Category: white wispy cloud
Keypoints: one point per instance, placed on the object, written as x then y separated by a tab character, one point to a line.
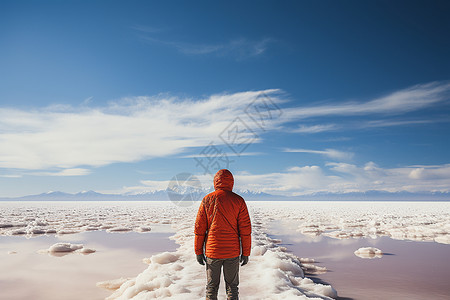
430	172
145	186
331	153
316	128
10	175
148	29
200	155
352	126
344	177
64	172
239	48
68	140
399	102
63	138
409	178
202	181
390	123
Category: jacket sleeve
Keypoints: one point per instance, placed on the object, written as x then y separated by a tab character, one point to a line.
200	229
245	229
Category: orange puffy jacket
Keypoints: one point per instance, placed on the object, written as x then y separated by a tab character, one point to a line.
223	220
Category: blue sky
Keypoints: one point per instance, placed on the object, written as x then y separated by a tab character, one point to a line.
119	96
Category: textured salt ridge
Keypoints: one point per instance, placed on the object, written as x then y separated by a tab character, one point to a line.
401	221
272	273
32	219
112	284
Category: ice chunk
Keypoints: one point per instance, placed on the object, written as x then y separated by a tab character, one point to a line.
311	231
67	231
163	258
18	232
307	260
445	239
313	269
37	231
86	251
258	250
369	252
142	229
112	285
119	229
147	260
64	247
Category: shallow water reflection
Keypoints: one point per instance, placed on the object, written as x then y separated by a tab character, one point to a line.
407	270
29	274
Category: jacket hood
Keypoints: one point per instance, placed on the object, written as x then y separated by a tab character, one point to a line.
223	180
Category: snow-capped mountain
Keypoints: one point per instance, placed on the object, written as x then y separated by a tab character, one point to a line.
163	195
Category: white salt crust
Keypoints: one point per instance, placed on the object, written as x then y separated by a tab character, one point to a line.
272	272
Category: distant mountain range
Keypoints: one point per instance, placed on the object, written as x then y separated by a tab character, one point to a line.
164	195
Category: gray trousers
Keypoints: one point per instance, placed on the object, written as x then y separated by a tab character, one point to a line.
230	274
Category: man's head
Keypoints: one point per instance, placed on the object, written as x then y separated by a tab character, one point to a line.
223	180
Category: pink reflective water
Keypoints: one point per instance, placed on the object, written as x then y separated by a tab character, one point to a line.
409	270
31	275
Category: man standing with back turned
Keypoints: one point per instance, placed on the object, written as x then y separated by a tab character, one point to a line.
223	224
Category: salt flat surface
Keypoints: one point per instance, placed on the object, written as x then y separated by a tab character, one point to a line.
29	218
272	273
32	274
417	221
413	270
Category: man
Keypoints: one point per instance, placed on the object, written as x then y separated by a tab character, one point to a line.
223	224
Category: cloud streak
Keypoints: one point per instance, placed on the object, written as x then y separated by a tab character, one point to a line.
131	130
399	102
390	123
64	172
359	125
316	128
239	48
69	140
331	153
